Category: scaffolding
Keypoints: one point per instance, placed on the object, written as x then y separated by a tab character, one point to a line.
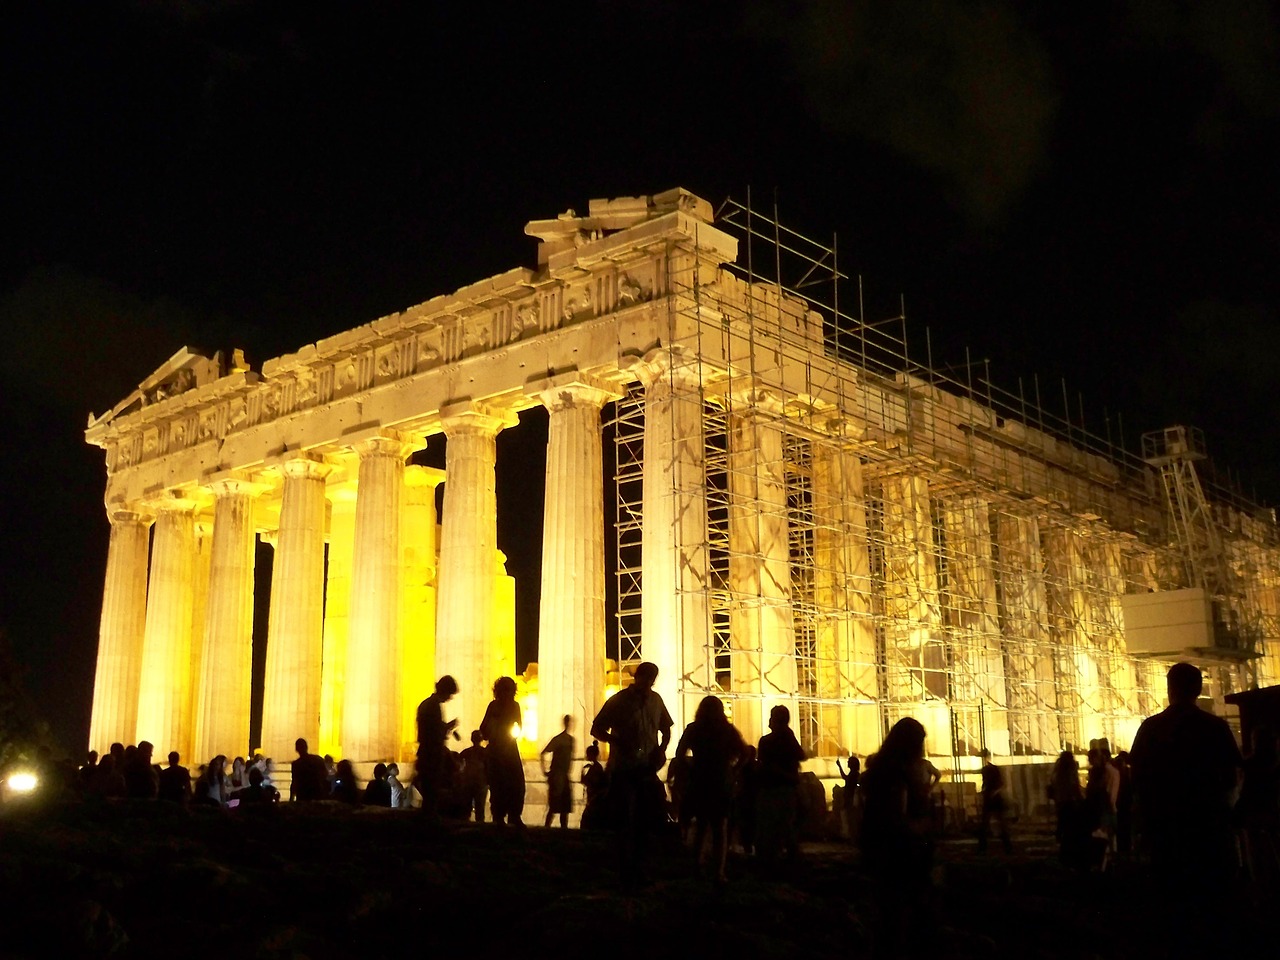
879	537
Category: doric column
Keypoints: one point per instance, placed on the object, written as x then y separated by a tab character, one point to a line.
1075	672
223	698
979	702
915	656
760	617
468	541
291	700
337	615
846	640
1033	701
371	702
418	586
675	621
1116	669
164	702
120	633
571	633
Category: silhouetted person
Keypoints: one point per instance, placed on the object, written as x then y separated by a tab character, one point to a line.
475	777
310	777
595	785
777	805
1101	788
1185	763
175	782
718	749
108	779
141	778
87	772
346	788
258	791
377	792
211	787
239	778
636	725
1072	827
505	769
399	794
994	804
559	789
849	795
432	734
895	840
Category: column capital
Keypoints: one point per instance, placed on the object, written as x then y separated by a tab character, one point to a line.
175	504
130	514
663	363
305	467
573	390
232	486
392	447
467	417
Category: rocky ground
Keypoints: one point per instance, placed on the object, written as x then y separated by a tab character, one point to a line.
145	879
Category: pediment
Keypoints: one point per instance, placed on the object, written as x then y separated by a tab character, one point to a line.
184	371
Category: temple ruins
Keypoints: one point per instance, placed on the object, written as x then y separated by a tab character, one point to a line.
794	511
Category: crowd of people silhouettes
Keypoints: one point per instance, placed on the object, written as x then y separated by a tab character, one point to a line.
1202	811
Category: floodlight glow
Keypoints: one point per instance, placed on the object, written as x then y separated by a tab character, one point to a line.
23	782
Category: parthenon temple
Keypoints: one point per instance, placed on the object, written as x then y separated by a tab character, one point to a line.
747	482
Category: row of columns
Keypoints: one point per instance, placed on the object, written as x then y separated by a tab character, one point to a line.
348	659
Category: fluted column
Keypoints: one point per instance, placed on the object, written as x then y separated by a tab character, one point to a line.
223	700
1075	671
571	630
848	673
337	616
915	655
291	700
978	692
760	616
1033	700
120	632
675	621
468	541
418	586
202	564
164	701
371	702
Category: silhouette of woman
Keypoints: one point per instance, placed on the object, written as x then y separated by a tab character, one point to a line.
717	750
506	772
894	839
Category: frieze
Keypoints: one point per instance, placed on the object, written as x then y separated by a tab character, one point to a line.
430	348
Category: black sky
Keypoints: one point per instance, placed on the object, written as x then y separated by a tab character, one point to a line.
1073	191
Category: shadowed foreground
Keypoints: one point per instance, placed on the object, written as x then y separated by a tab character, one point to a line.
143	879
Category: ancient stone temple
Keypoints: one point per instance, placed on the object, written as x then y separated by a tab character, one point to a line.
796	513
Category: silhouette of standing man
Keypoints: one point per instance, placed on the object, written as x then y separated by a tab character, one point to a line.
1184	766
636	725
1185	762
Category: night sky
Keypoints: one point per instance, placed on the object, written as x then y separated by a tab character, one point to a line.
1078	191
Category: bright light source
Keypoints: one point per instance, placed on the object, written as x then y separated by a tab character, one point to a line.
515	731
22	782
